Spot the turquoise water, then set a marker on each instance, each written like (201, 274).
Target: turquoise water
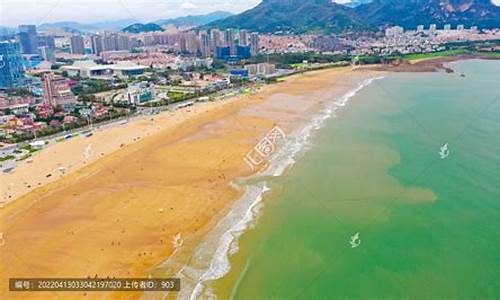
(429, 227)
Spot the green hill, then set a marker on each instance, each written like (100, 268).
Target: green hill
(139, 27)
(296, 16)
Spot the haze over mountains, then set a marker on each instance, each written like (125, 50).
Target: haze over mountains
(305, 16)
(133, 25)
(94, 26)
(195, 20)
(300, 16)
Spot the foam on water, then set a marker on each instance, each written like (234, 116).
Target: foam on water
(299, 139)
(222, 241)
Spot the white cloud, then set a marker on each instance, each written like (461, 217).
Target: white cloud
(188, 6)
(496, 2)
(15, 12)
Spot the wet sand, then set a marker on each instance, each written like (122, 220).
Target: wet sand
(118, 216)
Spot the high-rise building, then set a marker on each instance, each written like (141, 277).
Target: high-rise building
(229, 39)
(205, 44)
(243, 41)
(28, 39)
(189, 43)
(122, 42)
(215, 36)
(420, 28)
(47, 54)
(113, 41)
(97, 44)
(134, 42)
(432, 28)
(47, 41)
(254, 43)
(11, 66)
(109, 42)
(215, 39)
(222, 52)
(447, 27)
(183, 44)
(460, 27)
(243, 52)
(56, 90)
(77, 44)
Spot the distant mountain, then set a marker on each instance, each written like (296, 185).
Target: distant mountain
(139, 27)
(296, 16)
(66, 25)
(410, 13)
(197, 20)
(85, 27)
(114, 25)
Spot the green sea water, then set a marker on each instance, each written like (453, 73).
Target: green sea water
(429, 226)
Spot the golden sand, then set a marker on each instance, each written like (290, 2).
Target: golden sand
(116, 213)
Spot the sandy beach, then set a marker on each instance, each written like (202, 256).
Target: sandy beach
(131, 189)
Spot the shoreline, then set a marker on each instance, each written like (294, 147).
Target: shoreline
(432, 64)
(211, 128)
(375, 126)
(228, 240)
(124, 209)
(250, 205)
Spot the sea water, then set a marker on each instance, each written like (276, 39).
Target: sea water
(427, 215)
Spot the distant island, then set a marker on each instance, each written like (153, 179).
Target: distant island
(139, 28)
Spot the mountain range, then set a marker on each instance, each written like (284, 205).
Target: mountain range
(296, 16)
(84, 27)
(300, 16)
(196, 20)
(410, 13)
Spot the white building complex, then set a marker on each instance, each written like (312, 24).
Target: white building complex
(89, 69)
